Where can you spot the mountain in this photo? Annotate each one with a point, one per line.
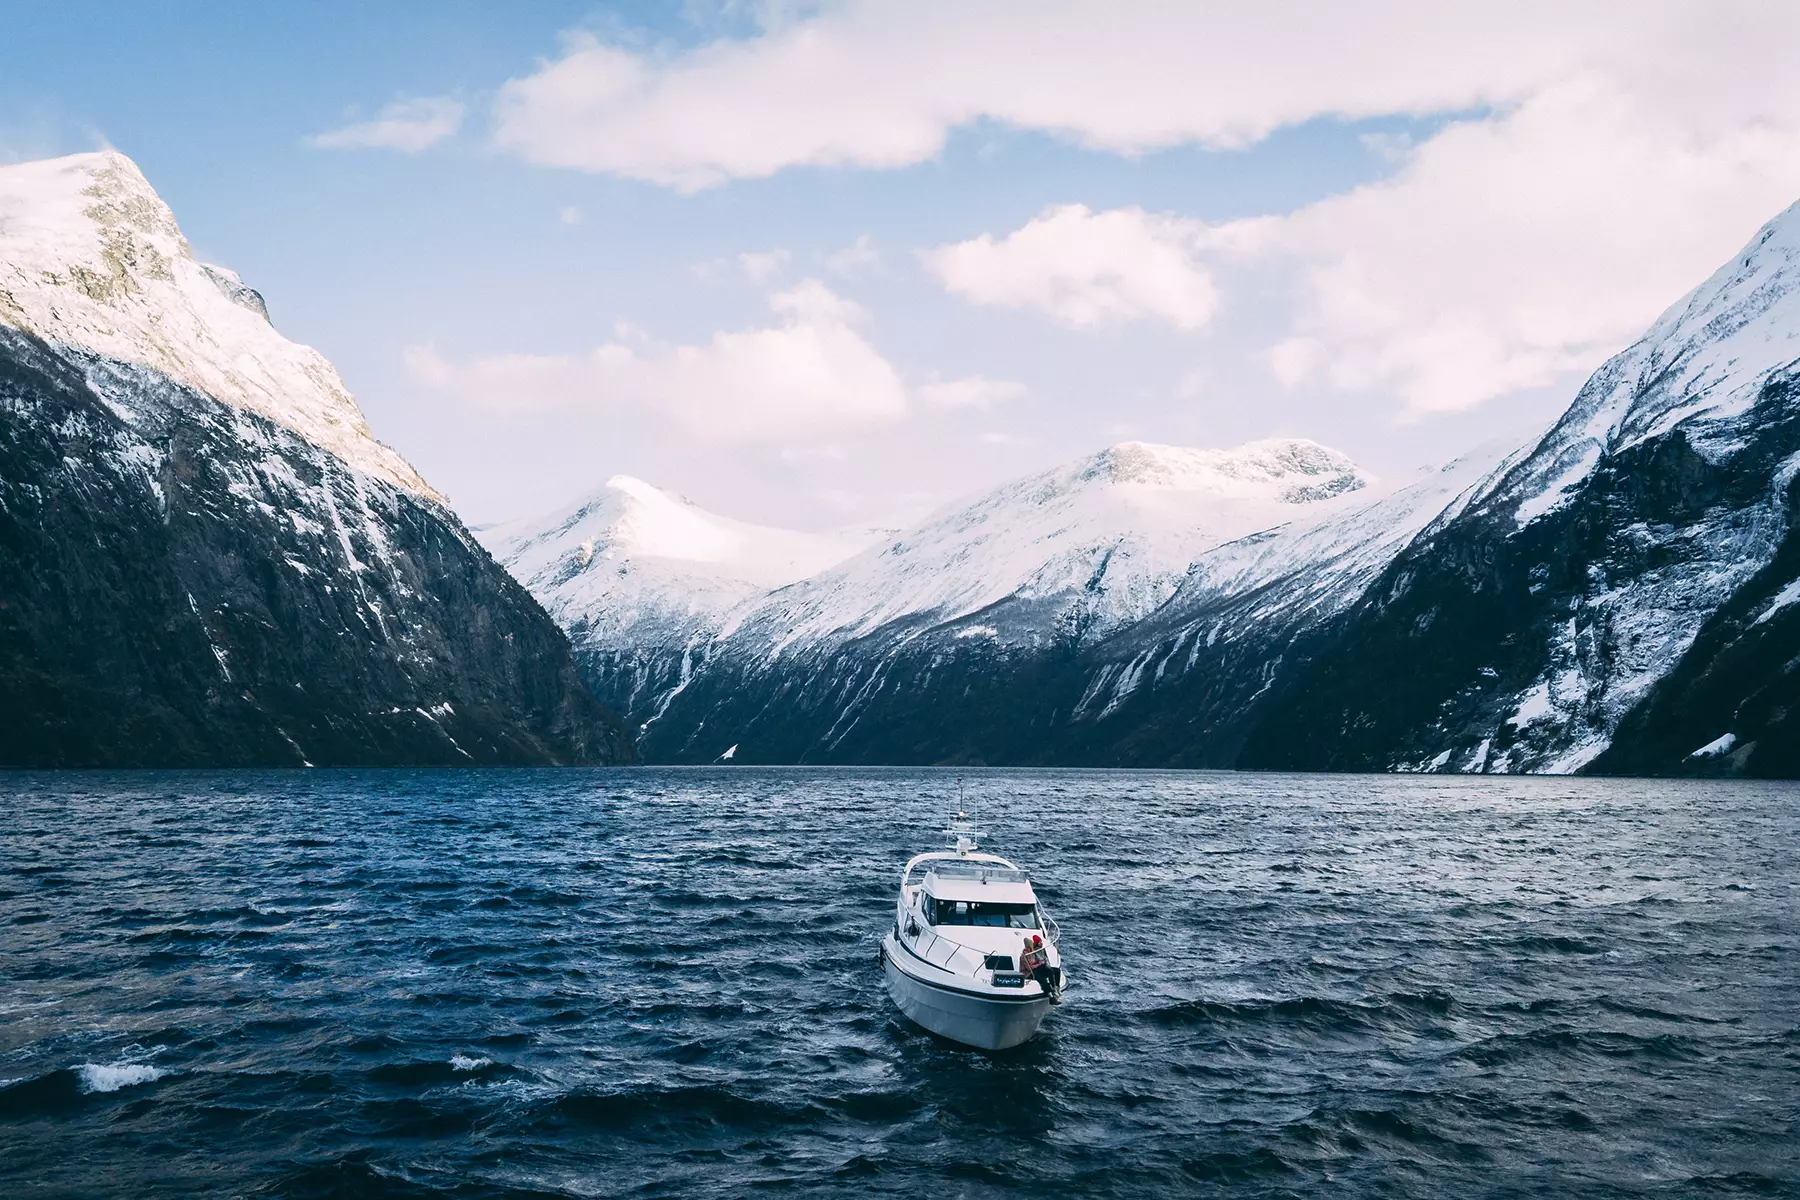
(1622, 597)
(643, 580)
(206, 558)
(1057, 619)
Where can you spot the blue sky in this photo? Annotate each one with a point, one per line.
(718, 246)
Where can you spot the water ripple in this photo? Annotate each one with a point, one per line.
(663, 983)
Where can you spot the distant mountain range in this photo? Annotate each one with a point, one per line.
(1617, 596)
(205, 557)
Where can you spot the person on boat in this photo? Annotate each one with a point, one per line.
(1035, 962)
(1032, 958)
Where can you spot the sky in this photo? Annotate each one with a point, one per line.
(836, 264)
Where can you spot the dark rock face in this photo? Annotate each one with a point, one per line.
(1475, 614)
(1164, 694)
(1741, 681)
(183, 583)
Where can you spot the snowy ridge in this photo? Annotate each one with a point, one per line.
(1331, 556)
(92, 260)
(1114, 532)
(1283, 579)
(633, 566)
(1701, 367)
(1706, 357)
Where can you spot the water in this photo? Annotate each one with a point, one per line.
(665, 983)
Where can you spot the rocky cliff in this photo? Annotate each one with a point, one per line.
(205, 557)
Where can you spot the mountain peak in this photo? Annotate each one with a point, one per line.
(92, 260)
(1291, 470)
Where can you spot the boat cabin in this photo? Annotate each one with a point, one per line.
(964, 900)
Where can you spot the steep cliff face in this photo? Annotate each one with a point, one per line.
(205, 558)
(1615, 601)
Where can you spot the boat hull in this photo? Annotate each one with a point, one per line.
(986, 1023)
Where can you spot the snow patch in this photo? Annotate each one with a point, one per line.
(1718, 746)
(1785, 597)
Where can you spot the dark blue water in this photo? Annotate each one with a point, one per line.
(665, 983)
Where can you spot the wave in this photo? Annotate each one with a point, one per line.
(1384, 1012)
(63, 1089)
(98, 1078)
(1569, 1043)
(666, 1110)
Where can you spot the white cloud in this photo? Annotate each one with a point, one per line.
(569, 215)
(810, 376)
(871, 83)
(861, 255)
(1088, 269)
(405, 125)
(972, 392)
(759, 268)
(1603, 162)
(1293, 360)
(1512, 249)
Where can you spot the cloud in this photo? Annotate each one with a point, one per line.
(1596, 162)
(1505, 251)
(861, 255)
(1088, 269)
(812, 375)
(1512, 249)
(876, 84)
(759, 268)
(408, 126)
(971, 392)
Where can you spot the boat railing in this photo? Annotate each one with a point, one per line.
(966, 960)
(951, 956)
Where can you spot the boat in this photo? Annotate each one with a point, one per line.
(953, 958)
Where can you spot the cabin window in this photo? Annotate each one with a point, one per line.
(984, 912)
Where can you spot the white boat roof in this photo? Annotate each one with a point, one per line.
(973, 879)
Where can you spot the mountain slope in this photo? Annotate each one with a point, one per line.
(1103, 541)
(1022, 627)
(643, 580)
(205, 558)
(1598, 604)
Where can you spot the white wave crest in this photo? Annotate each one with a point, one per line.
(462, 1062)
(97, 1078)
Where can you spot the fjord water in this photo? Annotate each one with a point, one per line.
(664, 982)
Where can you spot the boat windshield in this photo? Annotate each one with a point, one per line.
(983, 912)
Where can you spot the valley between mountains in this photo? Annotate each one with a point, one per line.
(206, 558)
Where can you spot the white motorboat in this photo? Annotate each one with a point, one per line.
(954, 956)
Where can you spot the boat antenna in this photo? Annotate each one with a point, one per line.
(962, 833)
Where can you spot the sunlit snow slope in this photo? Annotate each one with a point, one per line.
(643, 580)
(1103, 541)
(205, 558)
(92, 260)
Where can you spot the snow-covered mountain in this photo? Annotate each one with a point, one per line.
(1102, 541)
(92, 261)
(205, 556)
(643, 580)
(1006, 627)
(1618, 598)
